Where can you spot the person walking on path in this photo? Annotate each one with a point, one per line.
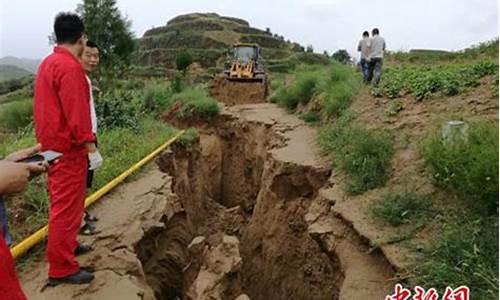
(63, 124)
(365, 54)
(376, 45)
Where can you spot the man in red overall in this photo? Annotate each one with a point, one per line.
(62, 124)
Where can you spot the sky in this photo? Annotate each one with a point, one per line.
(325, 24)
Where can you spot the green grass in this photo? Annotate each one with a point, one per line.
(157, 97)
(310, 117)
(340, 86)
(364, 154)
(15, 115)
(302, 89)
(190, 136)
(467, 165)
(196, 103)
(336, 84)
(463, 253)
(401, 208)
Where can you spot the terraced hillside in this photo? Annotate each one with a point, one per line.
(208, 36)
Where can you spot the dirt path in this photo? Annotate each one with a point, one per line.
(245, 212)
(125, 214)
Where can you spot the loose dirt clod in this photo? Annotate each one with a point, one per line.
(238, 92)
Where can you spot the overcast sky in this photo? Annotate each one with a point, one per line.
(325, 24)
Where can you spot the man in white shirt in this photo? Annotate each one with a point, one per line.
(377, 48)
(365, 54)
(90, 61)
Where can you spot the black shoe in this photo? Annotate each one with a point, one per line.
(82, 249)
(88, 229)
(80, 277)
(90, 217)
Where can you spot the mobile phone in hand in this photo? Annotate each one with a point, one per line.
(49, 156)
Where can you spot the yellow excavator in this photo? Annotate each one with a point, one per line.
(244, 78)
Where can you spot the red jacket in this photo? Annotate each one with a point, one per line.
(62, 109)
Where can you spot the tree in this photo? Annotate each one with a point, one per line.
(342, 56)
(325, 53)
(309, 49)
(105, 26)
(183, 60)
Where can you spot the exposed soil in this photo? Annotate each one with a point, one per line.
(417, 119)
(238, 92)
(245, 212)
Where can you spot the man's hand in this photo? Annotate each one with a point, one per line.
(24, 153)
(91, 147)
(95, 160)
(15, 176)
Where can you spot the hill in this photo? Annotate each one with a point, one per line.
(27, 64)
(8, 72)
(208, 36)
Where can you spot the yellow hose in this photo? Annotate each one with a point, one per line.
(21, 248)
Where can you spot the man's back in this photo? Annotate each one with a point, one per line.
(363, 48)
(377, 46)
(61, 99)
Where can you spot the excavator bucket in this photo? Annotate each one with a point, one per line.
(244, 81)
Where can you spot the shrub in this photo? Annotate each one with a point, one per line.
(183, 60)
(16, 115)
(301, 91)
(117, 108)
(176, 84)
(156, 97)
(467, 165)
(400, 208)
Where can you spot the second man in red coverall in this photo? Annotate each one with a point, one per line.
(62, 123)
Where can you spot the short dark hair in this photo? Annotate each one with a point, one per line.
(91, 44)
(375, 31)
(365, 33)
(68, 28)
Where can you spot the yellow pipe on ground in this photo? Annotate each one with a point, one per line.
(23, 247)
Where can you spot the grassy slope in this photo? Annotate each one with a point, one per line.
(444, 229)
(8, 72)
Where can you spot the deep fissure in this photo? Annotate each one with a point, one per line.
(239, 203)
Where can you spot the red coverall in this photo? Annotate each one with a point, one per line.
(9, 284)
(62, 124)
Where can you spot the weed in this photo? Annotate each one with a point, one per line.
(310, 117)
(400, 208)
(468, 164)
(364, 154)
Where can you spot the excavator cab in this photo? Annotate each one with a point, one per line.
(245, 63)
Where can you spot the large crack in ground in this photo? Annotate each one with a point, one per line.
(256, 220)
(245, 212)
